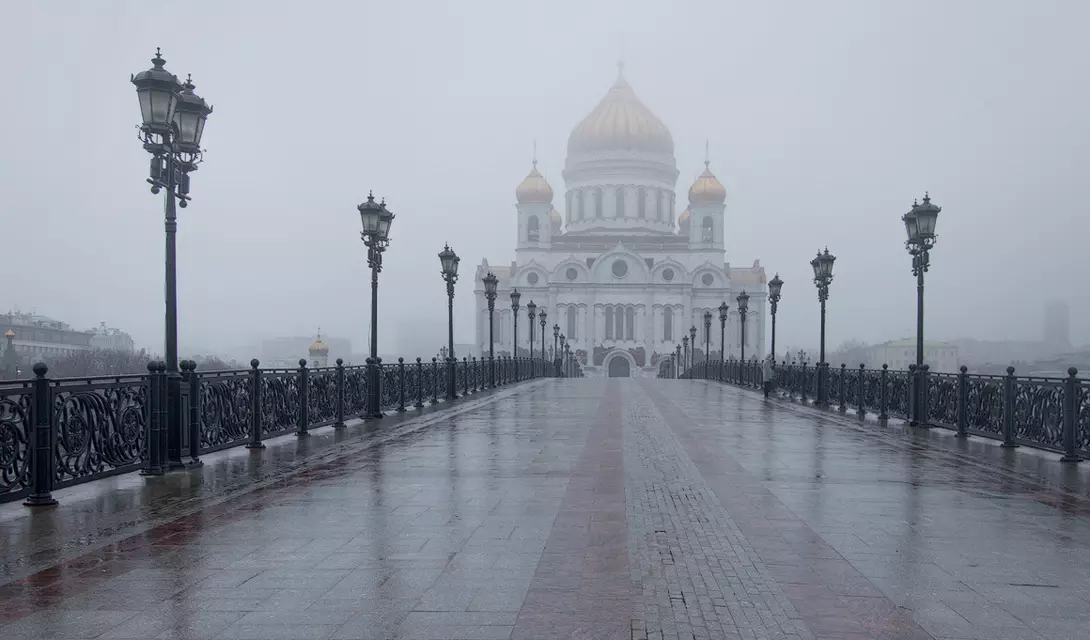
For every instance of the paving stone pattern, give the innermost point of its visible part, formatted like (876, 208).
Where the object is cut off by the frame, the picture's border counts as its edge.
(575, 509)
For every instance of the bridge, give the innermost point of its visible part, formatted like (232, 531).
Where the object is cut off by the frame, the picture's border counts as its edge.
(542, 507)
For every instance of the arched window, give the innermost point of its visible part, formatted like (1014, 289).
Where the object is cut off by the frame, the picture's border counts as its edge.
(597, 202)
(571, 323)
(532, 229)
(619, 195)
(667, 323)
(641, 203)
(630, 323)
(618, 319)
(706, 229)
(609, 323)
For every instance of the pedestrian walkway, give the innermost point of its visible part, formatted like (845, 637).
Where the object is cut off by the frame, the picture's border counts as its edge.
(578, 509)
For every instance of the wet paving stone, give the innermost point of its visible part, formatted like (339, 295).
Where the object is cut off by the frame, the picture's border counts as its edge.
(580, 509)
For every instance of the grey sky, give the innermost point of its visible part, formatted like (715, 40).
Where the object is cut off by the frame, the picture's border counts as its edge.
(824, 119)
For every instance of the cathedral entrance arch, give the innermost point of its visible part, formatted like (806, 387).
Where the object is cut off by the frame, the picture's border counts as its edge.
(619, 365)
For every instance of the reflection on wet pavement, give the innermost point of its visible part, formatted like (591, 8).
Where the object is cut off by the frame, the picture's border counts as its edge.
(580, 509)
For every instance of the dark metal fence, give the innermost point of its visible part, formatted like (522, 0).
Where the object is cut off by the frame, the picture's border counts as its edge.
(56, 433)
(1047, 413)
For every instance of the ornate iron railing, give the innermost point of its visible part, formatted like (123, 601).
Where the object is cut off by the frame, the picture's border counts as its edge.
(59, 432)
(1047, 413)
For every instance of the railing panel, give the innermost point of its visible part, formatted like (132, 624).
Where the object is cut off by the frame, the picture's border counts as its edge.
(942, 400)
(872, 391)
(1082, 417)
(1038, 412)
(322, 396)
(985, 405)
(226, 406)
(98, 427)
(16, 432)
(899, 386)
(279, 401)
(355, 390)
(391, 389)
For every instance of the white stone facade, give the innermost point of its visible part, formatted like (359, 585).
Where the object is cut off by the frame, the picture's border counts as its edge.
(626, 277)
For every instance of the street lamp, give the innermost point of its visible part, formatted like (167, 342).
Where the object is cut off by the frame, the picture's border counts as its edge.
(172, 123)
(823, 275)
(515, 297)
(541, 318)
(556, 353)
(530, 313)
(723, 309)
(685, 348)
(692, 346)
(376, 220)
(774, 286)
(678, 363)
(490, 282)
(920, 224)
(560, 356)
(743, 309)
(707, 338)
(449, 262)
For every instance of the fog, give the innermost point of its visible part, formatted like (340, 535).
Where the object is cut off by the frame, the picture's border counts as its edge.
(824, 122)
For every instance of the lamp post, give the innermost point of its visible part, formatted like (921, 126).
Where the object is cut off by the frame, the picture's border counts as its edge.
(172, 123)
(530, 313)
(556, 353)
(490, 282)
(774, 286)
(920, 228)
(376, 220)
(563, 352)
(692, 346)
(823, 275)
(685, 349)
(707, 337)
(743, 309)
(571, 360)
(541, 318)
(449, 262)
(723, 309)
(515, 297)
(677, 363)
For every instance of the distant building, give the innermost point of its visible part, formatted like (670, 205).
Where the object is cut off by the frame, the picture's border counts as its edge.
(38, 338)
(319, 352)
(941, 357)
(1057, 326)
(112, 339)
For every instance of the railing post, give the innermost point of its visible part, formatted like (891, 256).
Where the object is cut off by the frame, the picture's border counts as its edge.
(304, 400)
(843, 382)
(476, 381)
(194, 415)
(255, 409)
(465, 376)
(419, 384)
(435, 380)
(883, 402)
(963, 403)
(339, 424)
(1071, 405)
(401, 384)
(803, 382)
(153, 462)
(164, 414)
(41, 463)
(913, 406)
(861, 391)
(1008, 410)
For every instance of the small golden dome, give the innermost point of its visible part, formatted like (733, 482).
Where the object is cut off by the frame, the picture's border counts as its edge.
(534, 188)
(683, 221)
(621, 122)
(707, 189)
(555, 219)
(318, 347)
(9, 334)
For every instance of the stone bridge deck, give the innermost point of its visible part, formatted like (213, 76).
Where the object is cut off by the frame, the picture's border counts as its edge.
(577, 509)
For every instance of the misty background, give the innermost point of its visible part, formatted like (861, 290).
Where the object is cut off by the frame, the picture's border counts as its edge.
(824, 120)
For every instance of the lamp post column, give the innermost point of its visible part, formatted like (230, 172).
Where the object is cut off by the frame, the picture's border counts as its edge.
(490, 283)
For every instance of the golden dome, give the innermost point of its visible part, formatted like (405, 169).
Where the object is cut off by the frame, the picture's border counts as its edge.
(534, 188)
(318, 347)
(683, 221)
(555, 219)
(621, 122)
(9, 334)
(707, 189)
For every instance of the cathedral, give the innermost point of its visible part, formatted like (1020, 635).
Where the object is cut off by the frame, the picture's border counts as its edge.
(621, 274)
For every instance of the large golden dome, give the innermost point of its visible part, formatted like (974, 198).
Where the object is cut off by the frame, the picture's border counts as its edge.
(621, 122)
(707, 189)
(683, 221)
(555, 220)
(318, 347)
(534, 188)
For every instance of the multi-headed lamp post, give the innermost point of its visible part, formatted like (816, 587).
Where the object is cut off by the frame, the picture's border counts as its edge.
(920, 228)
(541, 319)
(531, 313)
(515, 297)
(376, 220)
(172, 123)
(774, 286)
(678, 364)
(823, 275)
(723, 315)
(449, 262)
(692, 345)
(490, 282)
(685, 351)
(707, 335)
(743, 309)
(556, 352)
(563, 353)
